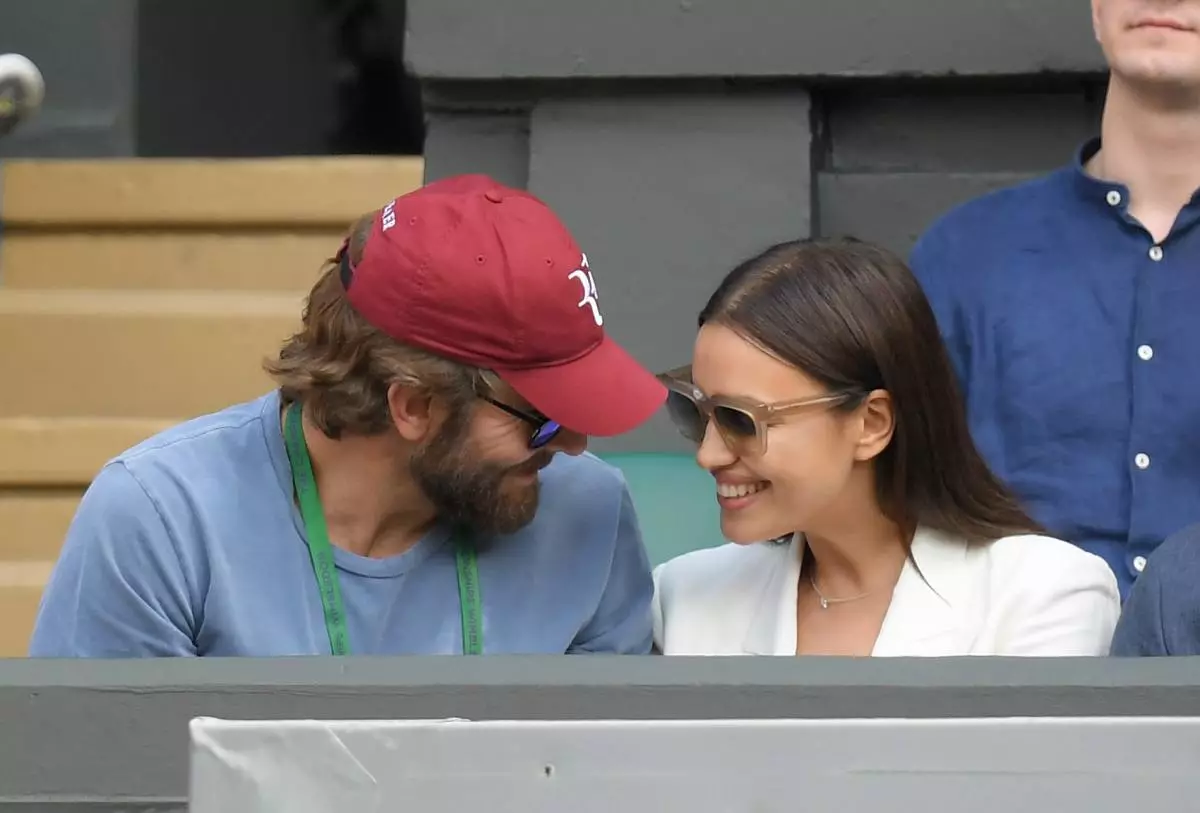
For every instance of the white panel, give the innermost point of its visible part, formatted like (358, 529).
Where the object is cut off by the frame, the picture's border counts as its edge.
(1099, 765)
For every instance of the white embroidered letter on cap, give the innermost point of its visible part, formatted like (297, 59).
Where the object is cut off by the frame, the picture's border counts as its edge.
(389, 215)
(588, 283)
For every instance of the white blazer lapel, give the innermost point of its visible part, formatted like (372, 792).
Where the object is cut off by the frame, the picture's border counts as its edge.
(772, 625)
(927, 616)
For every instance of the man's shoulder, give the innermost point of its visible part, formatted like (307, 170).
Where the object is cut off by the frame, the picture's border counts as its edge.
(971, 226)
(188, 449)
(1176, 562)
(1160, 615)
(583, 475)
(580, 495)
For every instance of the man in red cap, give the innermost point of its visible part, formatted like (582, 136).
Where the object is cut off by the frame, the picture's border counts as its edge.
(401, 491)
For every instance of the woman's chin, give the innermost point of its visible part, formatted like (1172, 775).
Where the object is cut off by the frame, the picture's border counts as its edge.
(750, 533)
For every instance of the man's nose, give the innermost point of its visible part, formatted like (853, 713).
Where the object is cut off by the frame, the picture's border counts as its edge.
(569, 442)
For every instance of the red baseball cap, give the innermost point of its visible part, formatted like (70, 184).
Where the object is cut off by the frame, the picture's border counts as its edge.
(485, 275)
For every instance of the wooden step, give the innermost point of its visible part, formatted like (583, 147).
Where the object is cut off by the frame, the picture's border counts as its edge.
(116, 354)
(34, 522)
(170, 260)
(64, 452)
(18, 611)
(287, 192)
(33, 525)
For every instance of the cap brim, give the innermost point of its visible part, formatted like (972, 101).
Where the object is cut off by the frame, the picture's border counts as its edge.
(603, 393)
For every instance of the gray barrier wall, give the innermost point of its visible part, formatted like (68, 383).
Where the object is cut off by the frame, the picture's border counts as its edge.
(1060, 764)
(103, 736)
(87, 53)
(179, 78)
(676, 138)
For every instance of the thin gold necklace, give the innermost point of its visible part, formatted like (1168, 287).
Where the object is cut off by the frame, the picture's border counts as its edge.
(825, 602)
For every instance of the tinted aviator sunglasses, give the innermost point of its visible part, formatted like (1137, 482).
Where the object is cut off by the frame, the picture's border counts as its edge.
(741, 422)
(544, 429)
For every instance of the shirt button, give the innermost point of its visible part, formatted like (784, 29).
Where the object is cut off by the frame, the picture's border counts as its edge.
(1145, 352)
(1142, 461)
(1113, 197)
(1139, 563)
(1156, 253)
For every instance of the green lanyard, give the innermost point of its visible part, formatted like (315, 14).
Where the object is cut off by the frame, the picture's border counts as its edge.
(325, 570)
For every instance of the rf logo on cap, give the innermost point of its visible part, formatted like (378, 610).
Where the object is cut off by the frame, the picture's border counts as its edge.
(588, 283)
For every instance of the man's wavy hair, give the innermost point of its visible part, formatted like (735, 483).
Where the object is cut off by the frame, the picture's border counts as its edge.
(341, 367)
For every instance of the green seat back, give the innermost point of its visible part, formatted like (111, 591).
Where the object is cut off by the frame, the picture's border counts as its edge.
(675, 500)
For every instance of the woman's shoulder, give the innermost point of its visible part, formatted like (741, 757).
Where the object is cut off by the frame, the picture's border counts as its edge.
(711, 569)
(1040, 557)
(1042, 548)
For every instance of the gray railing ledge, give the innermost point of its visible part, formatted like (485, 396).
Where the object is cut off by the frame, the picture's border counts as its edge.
(408, 675)
(112, 735)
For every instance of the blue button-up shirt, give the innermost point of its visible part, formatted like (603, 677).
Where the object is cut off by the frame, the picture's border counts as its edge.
(1077, 341)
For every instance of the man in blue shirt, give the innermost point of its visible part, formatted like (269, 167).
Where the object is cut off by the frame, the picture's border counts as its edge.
(400, 492)
(1069, 305)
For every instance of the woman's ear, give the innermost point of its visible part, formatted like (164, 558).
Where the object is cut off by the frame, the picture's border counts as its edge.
(878, 425)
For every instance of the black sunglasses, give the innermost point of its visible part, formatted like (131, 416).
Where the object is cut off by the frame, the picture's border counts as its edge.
(544, 429)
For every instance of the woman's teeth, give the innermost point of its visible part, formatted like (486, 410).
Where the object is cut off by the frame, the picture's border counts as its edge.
(739, 490)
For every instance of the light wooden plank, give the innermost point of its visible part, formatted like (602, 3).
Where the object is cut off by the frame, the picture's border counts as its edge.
(261, 260)
(33, 523)
(329, 191)
(65, 452)
(25, 574)
(112, 354)
(18, 611)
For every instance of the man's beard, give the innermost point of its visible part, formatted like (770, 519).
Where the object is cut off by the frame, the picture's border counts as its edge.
(469, 494)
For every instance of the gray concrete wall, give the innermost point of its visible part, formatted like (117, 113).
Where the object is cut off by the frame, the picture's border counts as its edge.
(86, 51)
(510, 39)
(231, 79)
(176, 78)
(676, 138)
(102, 736)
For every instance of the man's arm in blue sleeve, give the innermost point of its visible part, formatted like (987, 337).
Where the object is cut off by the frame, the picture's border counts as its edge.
(1139, 631)
(118, 589)
(1161, 615)
(623, 623)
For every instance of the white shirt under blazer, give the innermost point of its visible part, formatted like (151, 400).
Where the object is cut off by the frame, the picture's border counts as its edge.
(1019, 595)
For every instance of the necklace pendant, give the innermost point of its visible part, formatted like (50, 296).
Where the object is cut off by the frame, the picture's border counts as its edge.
(824, 603)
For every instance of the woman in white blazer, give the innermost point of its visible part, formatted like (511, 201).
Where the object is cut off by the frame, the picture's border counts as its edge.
(863, 520)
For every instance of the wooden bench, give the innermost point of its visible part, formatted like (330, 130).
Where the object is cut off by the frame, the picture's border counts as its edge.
(139, 354)
(188, 224)
(137, 293)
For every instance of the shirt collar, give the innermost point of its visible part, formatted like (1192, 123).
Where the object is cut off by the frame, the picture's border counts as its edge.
(1107, 194)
